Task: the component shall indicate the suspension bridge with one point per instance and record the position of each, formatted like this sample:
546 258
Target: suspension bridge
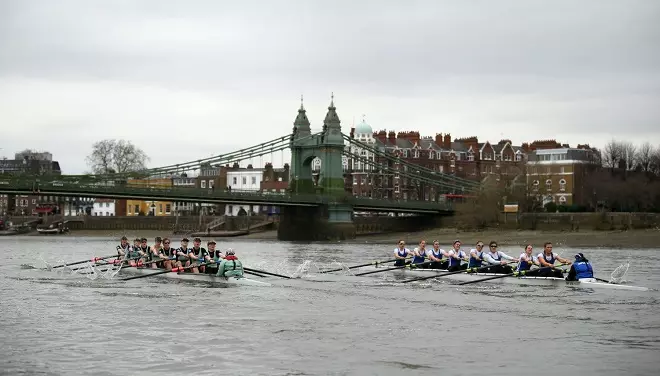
313 207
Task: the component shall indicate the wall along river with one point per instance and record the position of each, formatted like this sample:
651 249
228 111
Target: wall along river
56 323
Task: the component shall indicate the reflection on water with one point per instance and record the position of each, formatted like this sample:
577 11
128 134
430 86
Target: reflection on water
63 322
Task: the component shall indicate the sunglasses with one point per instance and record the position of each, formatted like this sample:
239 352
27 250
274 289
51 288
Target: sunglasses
493 246
166 243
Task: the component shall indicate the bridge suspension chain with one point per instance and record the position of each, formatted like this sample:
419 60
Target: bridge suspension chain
423 170
405 174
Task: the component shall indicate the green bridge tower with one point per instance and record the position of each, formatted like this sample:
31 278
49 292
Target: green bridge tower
335 219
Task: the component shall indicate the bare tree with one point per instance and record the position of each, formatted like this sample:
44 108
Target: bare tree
628 154
116 156
654 165
612 154
644 156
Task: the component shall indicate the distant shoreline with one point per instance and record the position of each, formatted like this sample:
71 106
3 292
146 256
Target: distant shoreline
582 239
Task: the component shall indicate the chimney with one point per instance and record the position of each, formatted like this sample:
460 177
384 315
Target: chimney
235 166
352 134
438 139
391 137
447 141
249 167
414 137
381 136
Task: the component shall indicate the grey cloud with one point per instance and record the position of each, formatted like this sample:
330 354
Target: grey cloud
592 64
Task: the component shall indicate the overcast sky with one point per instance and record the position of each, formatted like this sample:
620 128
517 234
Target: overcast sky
188 79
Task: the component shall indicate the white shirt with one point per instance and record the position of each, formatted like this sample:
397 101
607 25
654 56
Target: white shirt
488 257
421 252
475 253
542 254
405 250
460 254
441 252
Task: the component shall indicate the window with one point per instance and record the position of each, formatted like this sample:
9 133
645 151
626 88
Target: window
168 208
203 183
562 199
416 153
470 156
107 214
211 183
160 208
234 181
536 182
507 157
254 180
548 182
107 204
137 209
518 157
405 153
96 214
562 185
34 201
431 154
244 180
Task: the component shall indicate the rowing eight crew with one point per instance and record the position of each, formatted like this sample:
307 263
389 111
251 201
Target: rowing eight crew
162 255
492 261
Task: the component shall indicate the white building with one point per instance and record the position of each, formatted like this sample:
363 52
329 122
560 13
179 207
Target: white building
184 181
243 180
103 208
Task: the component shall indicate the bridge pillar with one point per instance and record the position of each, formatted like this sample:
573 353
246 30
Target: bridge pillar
335 220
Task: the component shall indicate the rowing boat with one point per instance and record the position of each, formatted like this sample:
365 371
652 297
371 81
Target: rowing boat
536 281
241 281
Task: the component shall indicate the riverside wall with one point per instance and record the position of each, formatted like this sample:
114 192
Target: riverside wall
373 225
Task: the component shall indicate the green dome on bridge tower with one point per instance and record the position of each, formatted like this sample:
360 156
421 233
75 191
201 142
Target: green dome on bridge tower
301 125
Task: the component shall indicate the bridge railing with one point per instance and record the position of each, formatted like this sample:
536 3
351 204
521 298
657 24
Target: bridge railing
179 193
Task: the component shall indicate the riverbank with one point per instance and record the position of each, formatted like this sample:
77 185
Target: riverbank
508 238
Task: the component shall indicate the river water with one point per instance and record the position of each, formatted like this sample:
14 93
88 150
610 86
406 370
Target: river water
68 324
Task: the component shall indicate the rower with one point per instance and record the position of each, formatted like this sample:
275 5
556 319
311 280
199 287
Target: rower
182 254
527 260
476 255
197 255
436 255
133 256
456 255
547 260
123 248
144 250
581 269
230 266
401 253
154 253
167 254
213 256
419 254
494 258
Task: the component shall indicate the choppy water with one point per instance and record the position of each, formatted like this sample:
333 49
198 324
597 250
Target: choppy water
59 324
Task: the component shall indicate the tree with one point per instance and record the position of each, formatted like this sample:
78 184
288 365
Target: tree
654 165
644 157
116 156
628 154
612 154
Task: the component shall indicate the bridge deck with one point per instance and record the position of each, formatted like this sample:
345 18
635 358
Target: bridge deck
119 190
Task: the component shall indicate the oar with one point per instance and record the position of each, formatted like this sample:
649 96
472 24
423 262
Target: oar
116 262
471 270
522 273
84 261
411 266
174 270
358 266
266 273
253 273
603 280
